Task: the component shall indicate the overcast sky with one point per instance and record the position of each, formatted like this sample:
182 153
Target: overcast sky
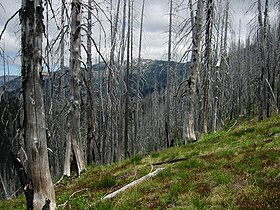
155 27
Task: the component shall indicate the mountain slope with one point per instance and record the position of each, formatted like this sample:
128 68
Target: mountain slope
153 75
238 168
6 79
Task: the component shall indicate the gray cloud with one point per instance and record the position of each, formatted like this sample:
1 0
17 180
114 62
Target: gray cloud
155 24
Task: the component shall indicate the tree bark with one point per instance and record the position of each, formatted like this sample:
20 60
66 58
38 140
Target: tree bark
89 106
189 118
62 52
167 103
262 66
75 147
126 152
137 117
31 17
208 64
24 181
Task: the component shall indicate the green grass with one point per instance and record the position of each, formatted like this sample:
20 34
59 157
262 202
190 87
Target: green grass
105 182
238 168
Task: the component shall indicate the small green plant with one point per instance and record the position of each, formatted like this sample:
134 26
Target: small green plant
136 159
101 205
273 155
183 174
213 136
242 131
191 163
79 203
273 173
155 154
106 182
257 179
226 153
175 189
221 177
191 154
197 202
62 197
253 165
169 156
22 207
165 173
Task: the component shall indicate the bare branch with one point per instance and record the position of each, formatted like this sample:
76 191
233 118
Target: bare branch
2 6
6 24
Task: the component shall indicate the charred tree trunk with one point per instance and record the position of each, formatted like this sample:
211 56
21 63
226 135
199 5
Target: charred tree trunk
167 103
189 118
31 16
74 144
261 82
137 117
89 106
24 181
62 52
208 64
126 152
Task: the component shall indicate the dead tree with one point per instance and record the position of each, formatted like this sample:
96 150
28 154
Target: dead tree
261 83
31 17
189 118
137 109
126 120
74 142
208 64
89 106
167 102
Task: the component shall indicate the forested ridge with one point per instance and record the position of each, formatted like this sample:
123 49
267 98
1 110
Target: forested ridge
86 95
153 76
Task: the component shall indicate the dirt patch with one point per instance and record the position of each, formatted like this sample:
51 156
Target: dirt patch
203 189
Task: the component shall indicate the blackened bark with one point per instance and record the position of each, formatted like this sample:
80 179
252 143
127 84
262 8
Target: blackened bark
34 123
126 152
24 181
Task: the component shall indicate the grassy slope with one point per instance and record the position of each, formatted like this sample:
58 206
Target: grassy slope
236 169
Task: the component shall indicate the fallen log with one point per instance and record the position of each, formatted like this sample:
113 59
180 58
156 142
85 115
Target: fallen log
150 175
169 161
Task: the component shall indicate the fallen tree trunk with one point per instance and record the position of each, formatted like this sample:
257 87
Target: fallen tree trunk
150 175
170 161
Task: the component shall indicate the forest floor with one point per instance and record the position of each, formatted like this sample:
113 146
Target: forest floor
238 168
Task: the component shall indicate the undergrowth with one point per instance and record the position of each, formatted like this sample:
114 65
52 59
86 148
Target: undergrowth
237 168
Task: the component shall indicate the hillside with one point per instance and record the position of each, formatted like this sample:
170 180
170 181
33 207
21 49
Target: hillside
153 74
238 168
7 79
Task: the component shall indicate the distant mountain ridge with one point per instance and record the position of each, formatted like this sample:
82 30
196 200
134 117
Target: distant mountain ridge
6 78
153 72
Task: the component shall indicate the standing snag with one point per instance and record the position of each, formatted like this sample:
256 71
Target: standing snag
73 139
34 123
